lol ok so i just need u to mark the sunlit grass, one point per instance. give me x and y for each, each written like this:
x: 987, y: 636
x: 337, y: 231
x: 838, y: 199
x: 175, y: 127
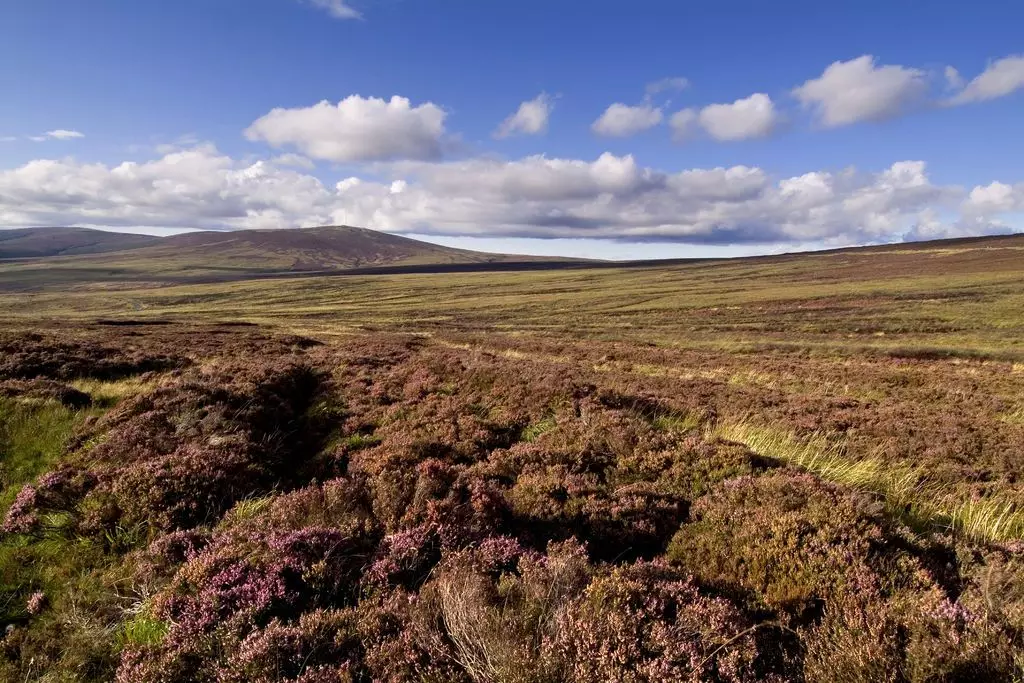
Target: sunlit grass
x: 32, y: 436
x: 907, y: 491
x: 109, y: 393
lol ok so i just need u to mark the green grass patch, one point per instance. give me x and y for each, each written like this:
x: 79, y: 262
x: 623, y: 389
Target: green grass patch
x: 33, y: 435
x: 357, y: 442
x: 534, y: 430
x: 142, y: 630
x: 672, y: 422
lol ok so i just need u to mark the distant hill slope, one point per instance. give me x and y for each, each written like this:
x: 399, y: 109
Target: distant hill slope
x: 68, y: 256
x: 45, y: 242
x: 310, y: 249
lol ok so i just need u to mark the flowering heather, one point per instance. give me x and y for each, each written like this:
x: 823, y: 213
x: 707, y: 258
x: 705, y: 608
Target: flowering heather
x: 36, y: 603
x: 395, y: 508
x: 648, y: 622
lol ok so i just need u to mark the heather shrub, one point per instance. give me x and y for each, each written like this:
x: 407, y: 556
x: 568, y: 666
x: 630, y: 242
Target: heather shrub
x: 29, y: 356
x: 50, y: 504
x: 321, y: 646
x: 688, y: 466
x: 649, y: 622
x: 787, y: 539
x: 180, y: 456
x: 910, y: 636
x: 396, y: 509
x: 492, y: 609
x: 240, y: 585
x: 45, y: 390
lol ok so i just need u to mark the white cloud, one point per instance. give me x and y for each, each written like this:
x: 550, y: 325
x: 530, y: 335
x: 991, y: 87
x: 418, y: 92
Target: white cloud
x: 62, y: 134
x: 683, y: 124
x: 339, y: 9
x: 59, y: 134
x: 611, y: 197
x: 8, y: 138
x: 667, y: 85
x: 858, y: 90
x: 994, y: 198
x: 751, y: 117
x: 954, y: 81
x: 530, y: 119
x: 293, y: 160
x: 622, y: 120
x: 1001, y: 78
x: 356, y: 129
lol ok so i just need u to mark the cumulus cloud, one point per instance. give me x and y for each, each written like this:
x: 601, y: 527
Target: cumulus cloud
x: 339, y: 9
x: 610, y: 197
x: 670, y: 84
x: 530, y: 119
x: 622, y: 120
x: 994, y: 198
x: 356, y: 129
x: 196, y: 188
x: 859, y: 90
x: 1001, y: 78
x: 683, y: 124
x: 750, y: 117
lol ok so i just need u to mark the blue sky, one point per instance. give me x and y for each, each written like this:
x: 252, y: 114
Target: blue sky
x: 886, y: 146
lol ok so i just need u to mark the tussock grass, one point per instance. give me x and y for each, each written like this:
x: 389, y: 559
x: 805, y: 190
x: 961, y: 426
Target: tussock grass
x: 108, y: 394
x: 907, y: 491
x: 1013, y: 416
x: 669, y: 422
x: 248, y: 508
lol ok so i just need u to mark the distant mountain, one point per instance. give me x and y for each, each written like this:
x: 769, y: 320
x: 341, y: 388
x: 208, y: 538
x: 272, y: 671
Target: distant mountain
x: 44, y: 242
x: 310, y: 249
x: 76, y: 255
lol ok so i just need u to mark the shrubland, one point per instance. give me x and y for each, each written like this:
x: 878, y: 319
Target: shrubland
x: 230, y: 503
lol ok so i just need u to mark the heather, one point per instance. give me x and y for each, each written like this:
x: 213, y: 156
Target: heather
x: 248, y: 505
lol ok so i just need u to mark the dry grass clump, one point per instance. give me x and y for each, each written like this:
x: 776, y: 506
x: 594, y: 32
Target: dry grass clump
x: 908, y: 491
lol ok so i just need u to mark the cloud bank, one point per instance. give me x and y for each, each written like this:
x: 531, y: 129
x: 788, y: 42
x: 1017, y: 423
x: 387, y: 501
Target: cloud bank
x: 610, y: 197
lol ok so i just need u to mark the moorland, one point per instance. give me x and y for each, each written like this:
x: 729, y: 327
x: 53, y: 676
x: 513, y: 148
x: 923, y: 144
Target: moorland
x: 259, y: 463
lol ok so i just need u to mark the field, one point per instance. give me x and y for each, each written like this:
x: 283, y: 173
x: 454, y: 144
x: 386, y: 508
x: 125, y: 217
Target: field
x: 794, y: 468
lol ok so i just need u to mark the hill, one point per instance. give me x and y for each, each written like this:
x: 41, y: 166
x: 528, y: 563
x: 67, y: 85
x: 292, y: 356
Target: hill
x: 311, y: 249
x: 47, y: 242
x: 78, y: 255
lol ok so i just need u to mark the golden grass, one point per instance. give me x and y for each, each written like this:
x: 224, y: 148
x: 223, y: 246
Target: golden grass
x: 107, y: 393
x: 907, y: 491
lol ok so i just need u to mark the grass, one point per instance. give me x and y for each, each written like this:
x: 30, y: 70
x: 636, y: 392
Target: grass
x: 671, y: 422
x: 535, y: 429
x: 32, y: 436
x: 907, y: 491
x: 141, y: 630
x: 107, y: 394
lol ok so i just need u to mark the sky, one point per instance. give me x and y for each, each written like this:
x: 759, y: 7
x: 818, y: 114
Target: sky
x: 605, y: 129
